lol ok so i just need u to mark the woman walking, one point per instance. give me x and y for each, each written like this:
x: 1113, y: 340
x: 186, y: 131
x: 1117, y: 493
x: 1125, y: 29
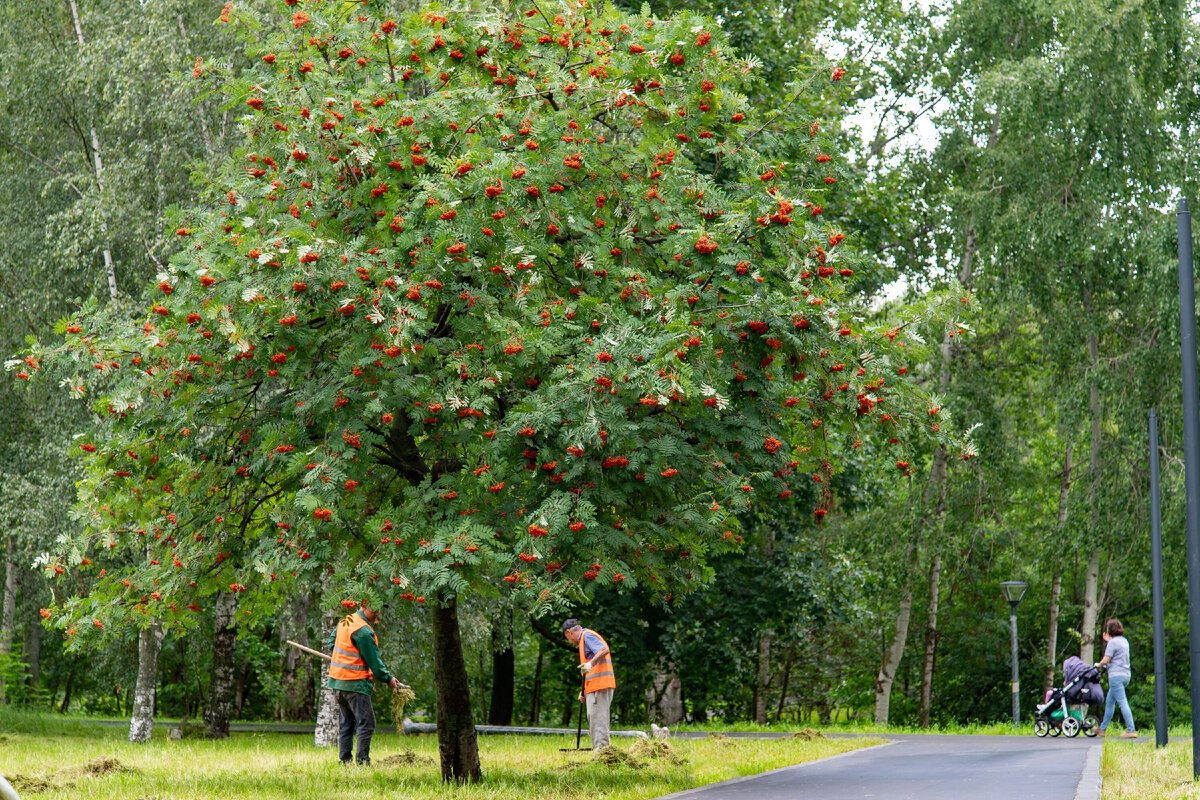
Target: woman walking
x: 1116, y: 658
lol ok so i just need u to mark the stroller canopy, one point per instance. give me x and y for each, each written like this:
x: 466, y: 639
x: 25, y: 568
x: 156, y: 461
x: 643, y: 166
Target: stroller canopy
x: 1081, y: 682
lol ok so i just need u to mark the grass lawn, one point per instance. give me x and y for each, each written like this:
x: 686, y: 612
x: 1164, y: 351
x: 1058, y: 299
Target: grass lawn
x: 1139, y: 771
x: 51, y: 760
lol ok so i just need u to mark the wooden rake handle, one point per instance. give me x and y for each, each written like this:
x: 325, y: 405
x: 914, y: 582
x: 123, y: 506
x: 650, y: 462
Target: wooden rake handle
x: 328, y: 658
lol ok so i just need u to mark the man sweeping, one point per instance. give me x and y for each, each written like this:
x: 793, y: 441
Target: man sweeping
x: 595, y: 662
x: 356, y: 663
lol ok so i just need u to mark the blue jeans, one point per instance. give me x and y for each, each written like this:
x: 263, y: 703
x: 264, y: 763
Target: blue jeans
x: 1116, y: 694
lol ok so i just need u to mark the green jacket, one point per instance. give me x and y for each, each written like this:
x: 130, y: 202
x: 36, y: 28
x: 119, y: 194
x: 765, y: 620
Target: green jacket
x: 364, y: 640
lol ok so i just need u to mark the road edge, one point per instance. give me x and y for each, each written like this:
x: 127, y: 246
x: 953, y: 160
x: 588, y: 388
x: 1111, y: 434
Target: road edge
x: 1090, y: 779
x: 729, y: 781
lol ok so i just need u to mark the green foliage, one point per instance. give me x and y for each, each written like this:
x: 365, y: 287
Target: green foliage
x: 466, y: 307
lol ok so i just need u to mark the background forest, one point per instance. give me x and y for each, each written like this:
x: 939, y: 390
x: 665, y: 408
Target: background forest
x: 1023, y: 157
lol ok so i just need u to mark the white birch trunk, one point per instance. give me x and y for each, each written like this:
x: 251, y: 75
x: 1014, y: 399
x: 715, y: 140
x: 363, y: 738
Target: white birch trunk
x: 8, y: 609
x: 141, y: 723
x: 1091, y: 585
x: 220, y: 692
x: 326, y: 732
x: 931, y: 634
x: 891, y: 660
x: 98, y: 167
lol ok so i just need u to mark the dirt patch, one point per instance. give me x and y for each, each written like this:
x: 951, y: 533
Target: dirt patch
x: 406, y: 758
x: 655, y: 750
x: 808, y: 734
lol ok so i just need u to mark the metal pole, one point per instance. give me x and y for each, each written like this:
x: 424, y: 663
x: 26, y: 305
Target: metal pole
x: 1016, y: 675
x: 1156, y: 581
x: 1191, y: 460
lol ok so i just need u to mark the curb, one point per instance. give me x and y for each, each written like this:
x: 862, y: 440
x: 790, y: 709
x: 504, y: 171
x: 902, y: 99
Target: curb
x: 1090, y: 779
x: 695, y: 790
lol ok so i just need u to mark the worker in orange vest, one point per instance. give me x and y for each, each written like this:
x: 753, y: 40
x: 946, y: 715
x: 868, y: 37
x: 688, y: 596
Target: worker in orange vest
x: 356, y: 663
x: 599, y: 681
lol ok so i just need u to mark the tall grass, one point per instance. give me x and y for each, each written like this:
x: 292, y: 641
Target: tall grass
x: 1140, y: 771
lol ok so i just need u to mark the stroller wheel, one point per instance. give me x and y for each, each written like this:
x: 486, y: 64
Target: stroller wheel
x: 1091, y: 725
x: 1055, y: 730
x: 1071, y: 726
x: 1041, y: 727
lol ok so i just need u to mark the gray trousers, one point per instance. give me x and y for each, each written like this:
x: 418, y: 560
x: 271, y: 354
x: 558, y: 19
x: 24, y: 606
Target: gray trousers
x: 598, y: 704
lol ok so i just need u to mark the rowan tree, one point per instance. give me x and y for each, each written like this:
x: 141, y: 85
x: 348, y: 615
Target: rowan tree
x: 515, y: 301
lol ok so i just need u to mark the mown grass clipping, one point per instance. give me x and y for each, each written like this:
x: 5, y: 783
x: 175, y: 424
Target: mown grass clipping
x: 400, y: 698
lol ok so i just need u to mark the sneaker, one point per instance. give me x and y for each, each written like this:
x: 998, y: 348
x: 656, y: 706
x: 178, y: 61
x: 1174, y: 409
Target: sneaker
x: 1129, y: 735
x: 1099, y: 733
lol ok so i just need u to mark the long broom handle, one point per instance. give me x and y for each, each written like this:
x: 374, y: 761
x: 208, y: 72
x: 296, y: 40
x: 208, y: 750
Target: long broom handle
x: 319, y: 654
x: 310, y: 651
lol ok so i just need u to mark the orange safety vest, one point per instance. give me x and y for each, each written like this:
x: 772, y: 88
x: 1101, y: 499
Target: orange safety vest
x: 601, y: 675
x: 348, y: 664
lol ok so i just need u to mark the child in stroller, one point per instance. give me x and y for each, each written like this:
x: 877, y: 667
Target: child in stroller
x: 1065, y: 709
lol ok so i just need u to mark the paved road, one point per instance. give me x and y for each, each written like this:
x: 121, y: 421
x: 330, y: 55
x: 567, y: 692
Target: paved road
x: 927, y: 767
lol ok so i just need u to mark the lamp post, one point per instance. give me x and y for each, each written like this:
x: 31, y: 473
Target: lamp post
x: 1013, y: 592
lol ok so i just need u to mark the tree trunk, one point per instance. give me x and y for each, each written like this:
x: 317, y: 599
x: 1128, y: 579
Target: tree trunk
x: 762, y: 677
x: 98, y: 167
x: 457, y: 744
x: 1091, y: 586
x: 33, y: 646
x: 220, y: 692
x: 326, y: 732
x: 503, y: 683
x: 141, y: 723
x: 1064, y: 496
x: 1052, y: 635
x: 895, y: 651
x: 8, y: 608
x: 241, y: 686
x: 66, y: 702
x: 664, y: 695
x: 569, y: 709
x: 891, y: 660
x: 535, y: 703
x: 787, y: 674
x: 931, y: 637
x: 296, y: 703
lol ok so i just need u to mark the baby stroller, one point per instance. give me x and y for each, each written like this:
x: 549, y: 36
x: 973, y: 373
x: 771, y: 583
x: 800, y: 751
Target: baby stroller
x: 1065, y: 710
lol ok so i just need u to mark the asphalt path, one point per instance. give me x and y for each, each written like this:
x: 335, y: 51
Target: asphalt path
x: 929, y: 767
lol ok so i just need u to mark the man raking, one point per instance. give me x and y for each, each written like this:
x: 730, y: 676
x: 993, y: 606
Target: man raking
x: 595, y: 662
x: 356, y: 663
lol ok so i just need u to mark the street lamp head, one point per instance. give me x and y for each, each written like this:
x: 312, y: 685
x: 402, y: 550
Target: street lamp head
x: 1013, y: 591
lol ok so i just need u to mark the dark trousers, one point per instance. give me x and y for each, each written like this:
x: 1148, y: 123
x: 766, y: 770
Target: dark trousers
x: 356, y: 715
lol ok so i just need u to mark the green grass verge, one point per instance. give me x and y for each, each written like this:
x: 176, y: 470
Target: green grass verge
x: 1140, y: 771
x: 961, y: 729
x: 52, y: 758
